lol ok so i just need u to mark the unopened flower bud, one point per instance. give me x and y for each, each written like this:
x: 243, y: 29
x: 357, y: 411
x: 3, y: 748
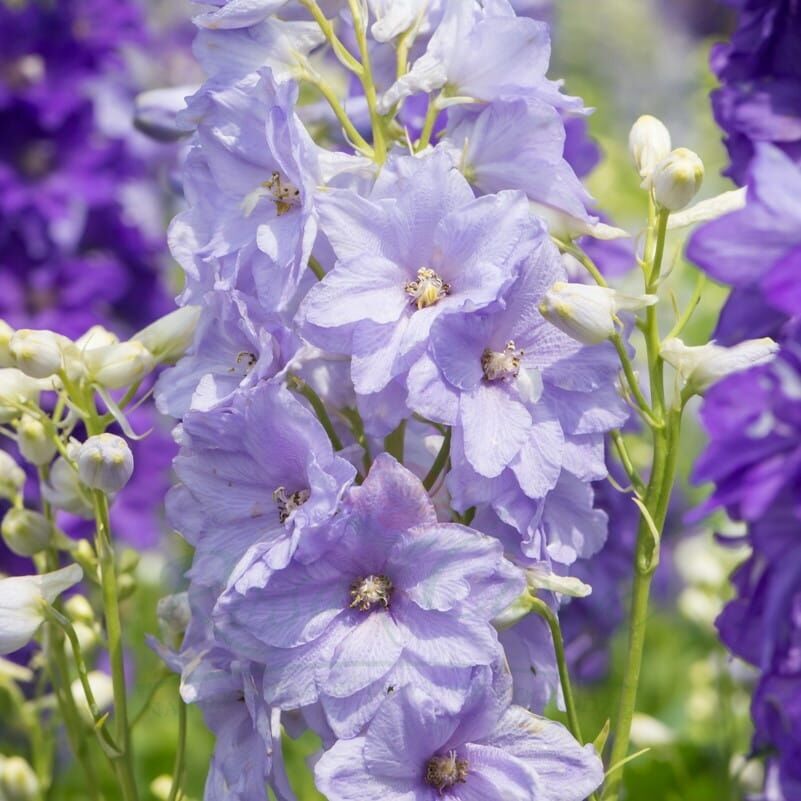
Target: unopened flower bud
x: 12, y: 477
x: 102, y: 690
x: 79, y: 610
x: 105, y: 463
x: 170, y: 336
x: 174, y: 614
x: 703, y: 365
x: 16, y: 388
x: 96, y: 337
x: 120, y: 365
x: 34, y: 440
x: 25, y: 532
x: 649, y: 143
x: 588, y: 313
x: 63, y: 490
x: 677, y: 179
x: 6, y: 332
x: 18, y: 781
x: 38, y: 354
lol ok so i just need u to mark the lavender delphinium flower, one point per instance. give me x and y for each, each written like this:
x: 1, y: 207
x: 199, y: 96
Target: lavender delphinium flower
x: 332, y: 266
x: 398, y: 597
x: 417, y: 751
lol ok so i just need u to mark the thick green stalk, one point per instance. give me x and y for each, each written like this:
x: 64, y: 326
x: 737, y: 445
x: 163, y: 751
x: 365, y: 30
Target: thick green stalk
x: 111, y: 607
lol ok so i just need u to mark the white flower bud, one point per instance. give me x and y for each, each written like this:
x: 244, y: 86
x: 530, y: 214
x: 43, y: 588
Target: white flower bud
x: 105, y: 463
x: 677, y: 179
x: 79, y: 610
x: 649, y: 143
x: 25, y: 532
x: 120, y: 365
x: 16, y: 388
x: 96, y: 337
x: 34, y: 440
x: 588, y: 313
x: 12, y: 477
x: 102, y: 691
x: 38, y: 354
x: 170, y: 336
x: 21, y: 602
x: 540, y: 578
x: 703, y: 365
x: 63, y: 489
x: 18, y: 781
x: 6, y: 332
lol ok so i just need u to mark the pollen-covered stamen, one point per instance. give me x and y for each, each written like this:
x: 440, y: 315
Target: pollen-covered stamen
x: 287, y: 503
x: 370, y: 591
x: 285, y: 195
x: 504, y: 364
x: 428, y: 289
x: 444, y: 771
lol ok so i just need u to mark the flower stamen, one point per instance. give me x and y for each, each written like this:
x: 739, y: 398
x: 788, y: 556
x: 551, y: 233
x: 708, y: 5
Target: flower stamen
x: 502, y: 365
x: 285, y: 195
x: 428, y: 289
x: 442, y: 772
x: 370, y: 591
x: 287, y: 503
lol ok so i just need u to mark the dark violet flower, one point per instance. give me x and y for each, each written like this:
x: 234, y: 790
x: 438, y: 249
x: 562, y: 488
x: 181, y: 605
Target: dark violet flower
x: 397, y: 598
x: 260, y: 470
x: 414, y: 750
x: 754, y: 424
x: 420, y: 245
x: 760, y: 72
x: 760, y: 245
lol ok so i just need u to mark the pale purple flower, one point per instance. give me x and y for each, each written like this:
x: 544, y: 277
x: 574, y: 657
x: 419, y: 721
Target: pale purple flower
x: 414, y: 750
x: 236, y: 346
x: 420, y: 245
x: 260, y: 470
x: 397, y: 598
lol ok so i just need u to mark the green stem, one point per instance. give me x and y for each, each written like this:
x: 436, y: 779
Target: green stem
x: 656, y: 500
x: 643, y: 406
x: 180, y: 754
x: 299, y: 385
x: 428, y: 125
x: 394, y: 442
x: 546, y: 613
x: 325, y: 89
x: 439, y: 463
x: 340, y: 51
x: 625, y: 459
x: 691, y: 306
x: 578, y: 253
x: 157, y: 685
x: 360, y: 28
x: 316, y: 268
x: 108, y: 579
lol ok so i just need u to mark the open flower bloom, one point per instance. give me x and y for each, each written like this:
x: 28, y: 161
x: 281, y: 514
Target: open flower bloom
x: 22, y: 599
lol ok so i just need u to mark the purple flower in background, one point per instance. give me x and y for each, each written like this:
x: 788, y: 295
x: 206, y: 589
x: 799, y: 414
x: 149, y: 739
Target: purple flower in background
x: 397, y: 597
x: 760, y: 73
x: 760, y: 245
x: 414, y: 750
x: 260, y: 470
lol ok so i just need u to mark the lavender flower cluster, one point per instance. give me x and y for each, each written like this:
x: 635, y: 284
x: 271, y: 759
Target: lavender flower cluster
x: 81, y: 237
x: 754, y: 418
x: 383, y: 443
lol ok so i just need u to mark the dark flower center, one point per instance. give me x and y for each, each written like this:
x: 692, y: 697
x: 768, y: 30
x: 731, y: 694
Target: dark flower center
x: 370, y: 591
x: 245, y: 360
x: 284, y: 194
x: 428, y: 289
x: 443, y: 772
x: 288, y: 502
x: 498, y: 365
